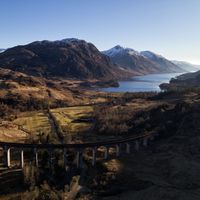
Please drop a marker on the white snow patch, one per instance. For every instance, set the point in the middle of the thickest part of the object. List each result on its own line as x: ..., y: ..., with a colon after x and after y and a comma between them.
x: 120, y: 50
x: 58, y: 42
x: 150, y: 54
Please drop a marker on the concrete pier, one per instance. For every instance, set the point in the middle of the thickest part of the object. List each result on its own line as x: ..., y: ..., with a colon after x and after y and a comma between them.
x: 36, y: 157
x: 128, y: 148
x: 7, y: 157
x: 106, y: 153
x: 152, y: 138
x: 145, y: 142
x: 65, y: 157
x: 117, y: 150
x: 94, y: 151
x: 79, y: 158
x: 137, y: 145
x: 50, y: 152
x: 22, y: 159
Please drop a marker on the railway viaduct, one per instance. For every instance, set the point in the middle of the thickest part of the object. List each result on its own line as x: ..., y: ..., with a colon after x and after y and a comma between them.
x: 127, y: 143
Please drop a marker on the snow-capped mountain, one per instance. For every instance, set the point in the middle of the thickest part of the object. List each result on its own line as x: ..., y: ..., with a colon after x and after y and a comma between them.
x: 150, y: 54
x: 120, y: 50
x: 163, y: 63
x: 131, y: 60
x: 144, y: 62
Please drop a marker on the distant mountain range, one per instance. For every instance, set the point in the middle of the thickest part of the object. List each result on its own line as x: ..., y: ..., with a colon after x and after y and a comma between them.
x: 74, y: 58
x: 144, y: 62
x: 186, y: 65
x: 70, y: 58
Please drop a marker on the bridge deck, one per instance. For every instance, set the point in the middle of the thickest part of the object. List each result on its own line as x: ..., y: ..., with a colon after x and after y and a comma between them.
x: 75, y: 146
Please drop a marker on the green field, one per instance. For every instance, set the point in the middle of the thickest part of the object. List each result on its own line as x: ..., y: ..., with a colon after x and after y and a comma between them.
x: 74, y: 120
x: 34, y: 123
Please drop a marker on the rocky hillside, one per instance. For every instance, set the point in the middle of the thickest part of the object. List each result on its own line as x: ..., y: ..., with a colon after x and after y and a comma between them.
x: 131, y: 60
x: 21, y: 92
x: 163, y: 64
x: 70, y: 58
x: 182, y: 82
x: 168, y: 168
x: 141, y: 62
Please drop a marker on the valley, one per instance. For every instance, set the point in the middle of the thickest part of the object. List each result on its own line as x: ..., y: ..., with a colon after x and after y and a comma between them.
x: 131, y: 114
x: 99, y: 100
x: 79, y: 133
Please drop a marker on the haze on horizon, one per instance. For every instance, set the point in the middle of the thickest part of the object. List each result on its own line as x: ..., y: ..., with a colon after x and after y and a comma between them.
x: 170, y: 28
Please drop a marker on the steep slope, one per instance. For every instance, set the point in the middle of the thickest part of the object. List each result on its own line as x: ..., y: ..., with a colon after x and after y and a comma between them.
x: 2, y: 50
x: 131, y: 60
x: 21, y: 92
x: 186, y: 65
x: 70, y: 58
x: 187, y: 81
x: 169, y: 168
x: 144, y: 62
x: 163, y: 64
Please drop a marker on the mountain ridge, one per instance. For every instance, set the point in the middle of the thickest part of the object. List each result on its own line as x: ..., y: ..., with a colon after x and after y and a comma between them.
x: 69, y: 58
x: 76, y: 58
x: 143, y: 62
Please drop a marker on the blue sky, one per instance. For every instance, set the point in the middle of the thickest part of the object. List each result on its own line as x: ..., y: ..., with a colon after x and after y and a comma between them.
x: 167, y: 27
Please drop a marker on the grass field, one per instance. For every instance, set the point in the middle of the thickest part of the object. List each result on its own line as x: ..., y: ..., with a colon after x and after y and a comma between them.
x: 74, y: 120
x: 10, y: 133
x: 30, y: 125
x: 34, y: 123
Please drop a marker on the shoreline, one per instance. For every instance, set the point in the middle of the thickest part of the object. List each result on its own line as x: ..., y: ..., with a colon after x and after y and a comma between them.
x: 143, y: 83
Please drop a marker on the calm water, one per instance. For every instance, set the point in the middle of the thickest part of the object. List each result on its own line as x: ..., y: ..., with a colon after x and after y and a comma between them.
x: 146, y: 83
